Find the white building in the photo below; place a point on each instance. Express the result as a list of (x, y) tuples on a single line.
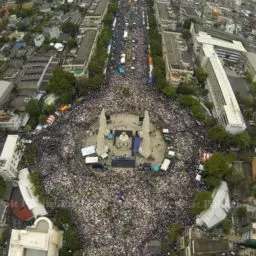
[(228, 50), (27, 191), (5, 90), (10, 121), (226, 108), (10, 157), (41, 239), (39, 40), (219, 208)]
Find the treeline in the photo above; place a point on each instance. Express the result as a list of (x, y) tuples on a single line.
[(97, 64), (155, 42)]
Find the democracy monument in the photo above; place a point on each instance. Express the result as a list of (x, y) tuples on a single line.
[(124, 141)]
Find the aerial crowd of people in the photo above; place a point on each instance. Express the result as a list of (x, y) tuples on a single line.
[(119, 212)]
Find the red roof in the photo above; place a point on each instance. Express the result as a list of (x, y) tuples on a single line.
[(18, 206)]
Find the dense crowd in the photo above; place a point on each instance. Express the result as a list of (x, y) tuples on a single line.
[(120, 212)]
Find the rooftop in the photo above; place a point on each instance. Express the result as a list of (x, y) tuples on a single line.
[(85, 46), (231, 106), (190, 11), (4, 86), (218, 209), (163, 13), (210, 247), (27, 188), (172, 51), (204, 38), (251, 57), (101, 6), (41, 239), (9, 147)]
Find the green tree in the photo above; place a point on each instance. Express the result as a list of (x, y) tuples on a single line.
[(234, 178), (216, 168), (83, 86), (201, 202), (242, 140), (226, 226), (35, 180), (198, 112), (241, 212), (42, 119), (169, 90), (62, 217), (201, 75), (186, 34), (173, 232), (71, 43), (63, 84), (33, 107), (4, 237), (187, 100), (49, 109), (71, 242), (246, 156), (78, 253), (218, 134), (70, 28), (2, 187)]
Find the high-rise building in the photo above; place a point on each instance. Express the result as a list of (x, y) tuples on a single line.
[(10, 157)]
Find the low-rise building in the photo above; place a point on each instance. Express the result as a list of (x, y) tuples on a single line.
[(178, 62), (250, 64), (165, 15), (40, 239), (232, 51), (5, 90), (95, 14), (221, 94), (218, 209), (194, 242), (73, 17), (10, 121), (10, 157), (78, 64), (39, 40)]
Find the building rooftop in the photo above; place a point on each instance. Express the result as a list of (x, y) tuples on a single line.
[(99, 9), (231, 107), (162, 10), (204, 38), (218, 209), (27, 188), (4, 87), (251, 56), (190, 11), (41, 239), (9, 147), (172, 52), (210, 247), (84, 50)]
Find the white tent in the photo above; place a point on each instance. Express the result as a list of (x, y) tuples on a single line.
[(88, 150), (27, 191), (219, 208), (165, 164)]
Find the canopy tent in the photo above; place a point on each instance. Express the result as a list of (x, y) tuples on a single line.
[(88, 150), (121, 70)]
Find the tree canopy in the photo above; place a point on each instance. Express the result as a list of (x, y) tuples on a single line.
[(2, 187), (216, 168), (63, 84), (201, 75), (201, 202), (70, 28)]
